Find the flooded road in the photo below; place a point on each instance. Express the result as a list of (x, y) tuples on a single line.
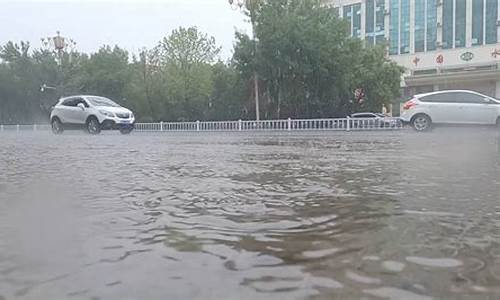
[(361, 215)]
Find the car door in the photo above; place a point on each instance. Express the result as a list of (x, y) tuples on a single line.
[(477, 108), (67, 110), (442, 107), (80, 115)]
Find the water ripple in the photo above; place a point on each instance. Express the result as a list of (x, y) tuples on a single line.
[(264, 216)]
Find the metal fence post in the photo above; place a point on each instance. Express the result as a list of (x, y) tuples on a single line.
[(197, 125), (1, 127), (161, 126), (34, 127), (17, 127), (239, 125), (289, 124), (348, 124)]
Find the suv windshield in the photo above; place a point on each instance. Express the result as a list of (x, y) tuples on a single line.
[(101, 101)]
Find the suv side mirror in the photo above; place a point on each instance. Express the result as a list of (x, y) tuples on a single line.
[(81, 105)]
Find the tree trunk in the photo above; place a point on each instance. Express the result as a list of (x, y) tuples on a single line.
[(280, 95)]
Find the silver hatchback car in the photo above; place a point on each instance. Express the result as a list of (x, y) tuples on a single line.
[(450, 107)]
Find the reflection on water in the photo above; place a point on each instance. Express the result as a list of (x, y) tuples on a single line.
[(392, 215)]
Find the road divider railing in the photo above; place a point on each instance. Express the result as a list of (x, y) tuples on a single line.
[(337, 124)]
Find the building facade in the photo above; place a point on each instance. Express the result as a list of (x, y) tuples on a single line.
[(443, 44)]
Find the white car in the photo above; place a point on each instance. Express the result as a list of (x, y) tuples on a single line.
[(376, 120), (92, 113), (450, 107)]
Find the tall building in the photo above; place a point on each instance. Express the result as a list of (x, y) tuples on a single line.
[(443, 44)]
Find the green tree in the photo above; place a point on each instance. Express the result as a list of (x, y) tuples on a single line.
[(23, 71), (379, 77), (184, 59), (107, 73), (308, 64), (20, 74), (228, 100), (16, 66)]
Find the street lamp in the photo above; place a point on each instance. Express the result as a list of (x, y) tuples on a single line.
[(250, 6), (58, 45)]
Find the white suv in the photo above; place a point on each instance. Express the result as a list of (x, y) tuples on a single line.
[(450, 107), (92, 113)]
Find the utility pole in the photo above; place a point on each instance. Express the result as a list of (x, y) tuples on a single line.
[(250, 6)]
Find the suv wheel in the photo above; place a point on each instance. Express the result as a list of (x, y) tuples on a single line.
[(421, 122), (93, 126), (56, 125), (126, 130)]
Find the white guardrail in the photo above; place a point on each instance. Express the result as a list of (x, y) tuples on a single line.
[(340, 124)]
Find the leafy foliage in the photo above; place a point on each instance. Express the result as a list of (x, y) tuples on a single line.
[(307, 66)]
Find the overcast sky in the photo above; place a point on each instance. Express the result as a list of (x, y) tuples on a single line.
[(131, 24)]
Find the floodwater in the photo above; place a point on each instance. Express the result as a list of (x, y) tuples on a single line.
[(324, 215)]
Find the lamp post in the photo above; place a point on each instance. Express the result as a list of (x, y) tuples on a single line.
[(58, 45), (250, 6)]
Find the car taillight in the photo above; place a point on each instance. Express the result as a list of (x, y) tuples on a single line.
[(410, 104)]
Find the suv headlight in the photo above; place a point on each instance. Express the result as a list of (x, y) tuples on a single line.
[(107, 113)]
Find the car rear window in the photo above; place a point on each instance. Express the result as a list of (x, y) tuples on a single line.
[(440, 98)]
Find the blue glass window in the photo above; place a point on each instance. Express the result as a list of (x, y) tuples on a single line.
[(379, 21), (370, 21), (394, 28), (491, 21), (419, 26), (460, 23), (374, 28), (348, 17), (477, 22), (431, 25), (405, 27), (356, 20), (447, 24), (352, 14)]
